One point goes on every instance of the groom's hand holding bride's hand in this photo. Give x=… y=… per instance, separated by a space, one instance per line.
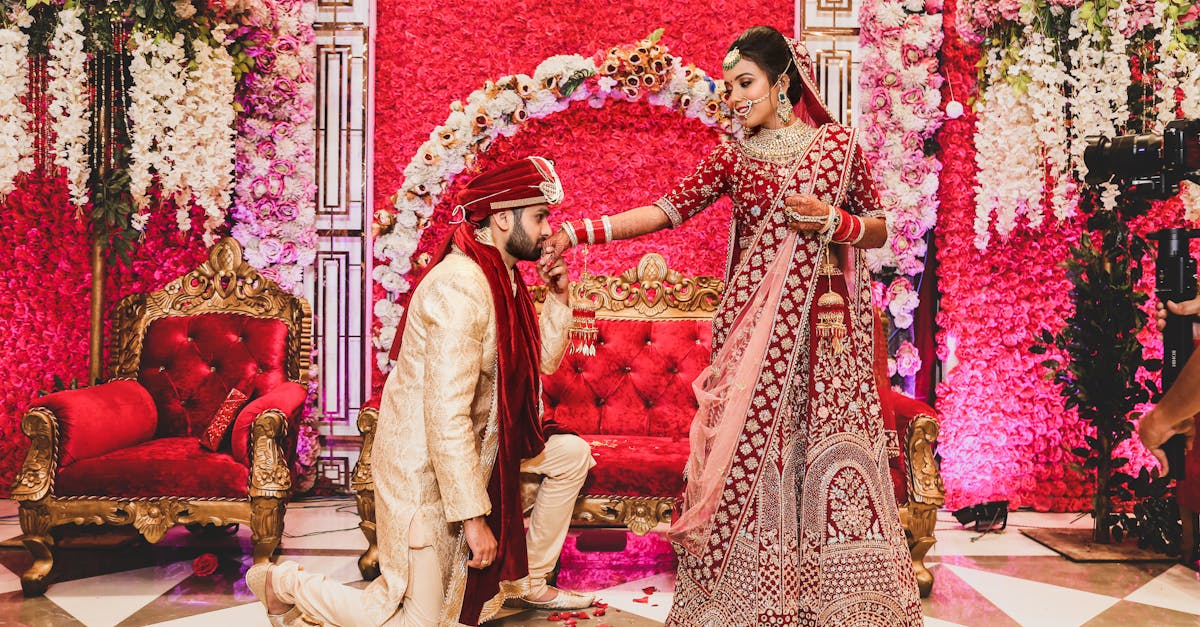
x=553 y=271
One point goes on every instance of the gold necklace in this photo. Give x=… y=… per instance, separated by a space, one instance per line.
x=779 y=144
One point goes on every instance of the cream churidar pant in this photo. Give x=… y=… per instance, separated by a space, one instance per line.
x=563 y=466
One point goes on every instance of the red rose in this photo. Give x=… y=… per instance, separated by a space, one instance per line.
x=204 y=565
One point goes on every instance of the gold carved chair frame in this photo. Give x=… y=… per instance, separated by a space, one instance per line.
x=223 y=284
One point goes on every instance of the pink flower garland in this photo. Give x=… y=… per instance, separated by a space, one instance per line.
x=274 y=211
x=900 y=82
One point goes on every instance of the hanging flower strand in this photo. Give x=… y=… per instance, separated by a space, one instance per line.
x=70 y=108
x=16 y=142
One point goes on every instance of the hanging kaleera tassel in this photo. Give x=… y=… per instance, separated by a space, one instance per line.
x=831 y=310
x=583 y=332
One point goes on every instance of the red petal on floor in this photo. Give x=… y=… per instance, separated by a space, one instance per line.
x=642 y=600
x=598 y=612
x=649 y=590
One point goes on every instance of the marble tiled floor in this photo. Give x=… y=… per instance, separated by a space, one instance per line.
x=109 y=579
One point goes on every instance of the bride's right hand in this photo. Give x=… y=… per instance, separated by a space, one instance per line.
x=554 y=247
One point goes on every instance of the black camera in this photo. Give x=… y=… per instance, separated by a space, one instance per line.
x=1149 y=164
x=1175 y=280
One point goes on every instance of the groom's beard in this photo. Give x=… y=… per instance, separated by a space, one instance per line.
x=522 y=246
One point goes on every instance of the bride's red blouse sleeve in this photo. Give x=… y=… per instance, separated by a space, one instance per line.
x=710 y=180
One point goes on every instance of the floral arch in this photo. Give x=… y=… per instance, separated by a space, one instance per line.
x=501 y=108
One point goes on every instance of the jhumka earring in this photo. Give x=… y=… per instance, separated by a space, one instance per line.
x=583 y=332
x=784 y=110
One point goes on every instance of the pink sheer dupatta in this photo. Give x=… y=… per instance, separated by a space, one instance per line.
x=724 y=392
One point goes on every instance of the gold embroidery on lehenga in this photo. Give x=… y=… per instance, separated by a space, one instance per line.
x=814 y=454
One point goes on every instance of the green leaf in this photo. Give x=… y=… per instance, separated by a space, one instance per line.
x=654 y=37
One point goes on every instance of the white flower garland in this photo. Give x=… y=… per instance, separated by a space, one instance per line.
x=16 y=142
x=1178 y=70
x=70 y=108
x=1008 y=156
x=1023 y=126
x=1046 y=96
x=204 y=139
x=1023 y=129
x=155 y=110
x=1100 y=87
x=501 y=108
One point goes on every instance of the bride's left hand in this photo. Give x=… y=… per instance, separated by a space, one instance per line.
x=805 y=205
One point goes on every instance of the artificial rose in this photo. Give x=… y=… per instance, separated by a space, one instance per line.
x=204 y=565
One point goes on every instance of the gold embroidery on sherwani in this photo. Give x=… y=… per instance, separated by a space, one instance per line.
x=449 y=348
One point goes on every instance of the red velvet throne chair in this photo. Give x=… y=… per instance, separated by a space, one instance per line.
x=633 y=402
x=128 y=452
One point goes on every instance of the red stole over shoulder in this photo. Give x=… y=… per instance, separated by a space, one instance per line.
x=519 y=350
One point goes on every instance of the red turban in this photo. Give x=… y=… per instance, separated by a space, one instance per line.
x=521 y=183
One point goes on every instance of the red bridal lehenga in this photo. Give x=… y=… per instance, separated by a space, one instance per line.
x=789 y=516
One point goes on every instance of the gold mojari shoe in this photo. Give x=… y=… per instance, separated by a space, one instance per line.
x=565 y=600
x=256 y=581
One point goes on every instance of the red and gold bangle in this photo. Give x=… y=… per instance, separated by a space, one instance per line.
x=596 y=231
x=862 y=230
x=850 y=231
x=845 y=226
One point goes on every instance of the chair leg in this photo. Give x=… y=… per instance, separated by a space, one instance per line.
x=368 y=562
x=35 y=523
x=924 y=576
x=266 y=526
x=921 y=520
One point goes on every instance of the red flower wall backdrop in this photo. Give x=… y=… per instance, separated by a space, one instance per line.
x=46 y=272
x=620 y=156
x=44 y=295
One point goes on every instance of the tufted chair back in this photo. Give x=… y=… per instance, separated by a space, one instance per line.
x=638 y=383
x=190 y=363
x=655 y=338
x=218 y=327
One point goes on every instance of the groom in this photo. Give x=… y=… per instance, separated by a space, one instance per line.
x=460 y=421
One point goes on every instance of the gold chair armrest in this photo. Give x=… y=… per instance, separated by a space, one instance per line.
x=36 y=476
x=362 y=482
x=269 y=473
x=924 y=475
x=362 y=479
